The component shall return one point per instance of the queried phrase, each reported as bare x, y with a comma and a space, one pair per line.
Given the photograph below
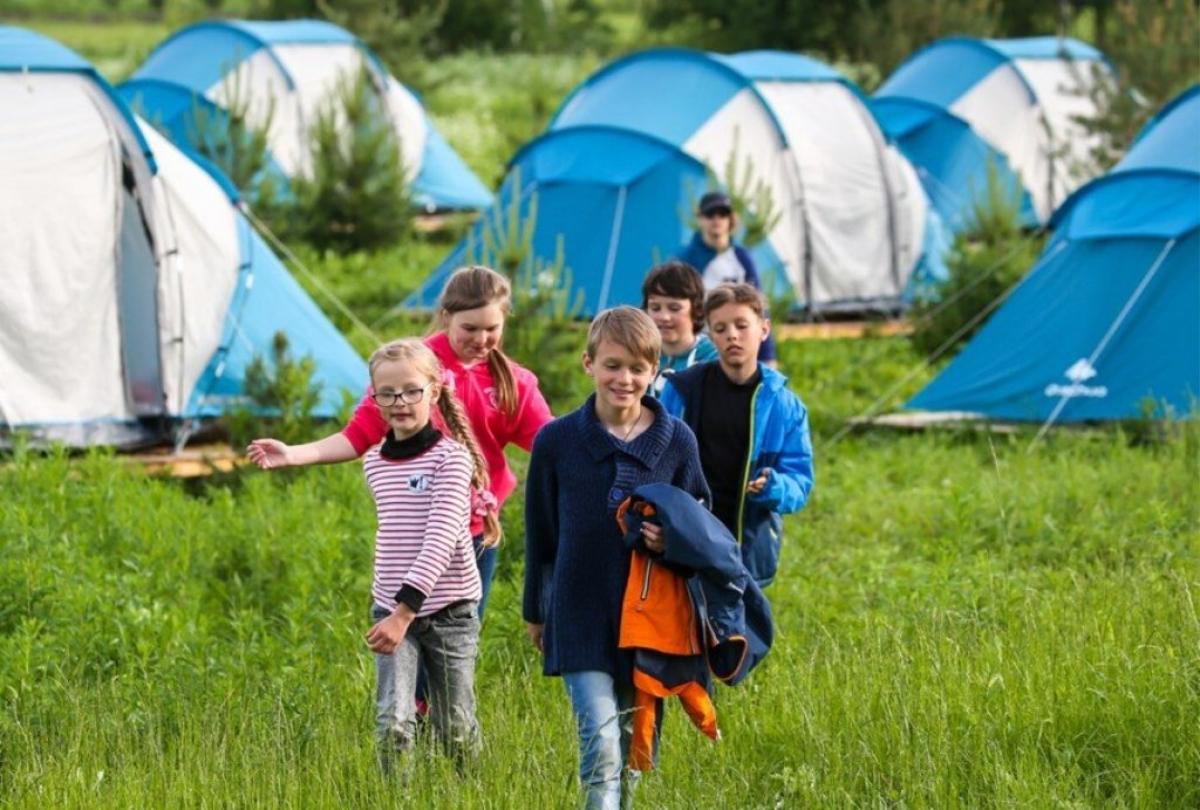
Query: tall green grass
962, 621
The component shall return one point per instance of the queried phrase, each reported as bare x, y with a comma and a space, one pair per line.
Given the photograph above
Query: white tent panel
408, 117
845, 197
910, 209
60, 344
743, 129
317, 70
258, 83
200, 267
1063, 88
1001, 111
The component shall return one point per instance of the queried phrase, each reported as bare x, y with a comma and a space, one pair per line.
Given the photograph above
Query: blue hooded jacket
780, 441
734, 616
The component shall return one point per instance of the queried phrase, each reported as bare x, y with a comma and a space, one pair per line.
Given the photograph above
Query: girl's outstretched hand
269, 454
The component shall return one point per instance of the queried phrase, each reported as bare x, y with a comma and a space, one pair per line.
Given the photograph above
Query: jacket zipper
746, 474
646, 580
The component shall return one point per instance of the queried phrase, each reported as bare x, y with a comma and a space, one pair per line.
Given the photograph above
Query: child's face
673, 317
621, 376
738, 331
411, 395
716, 228
475, 332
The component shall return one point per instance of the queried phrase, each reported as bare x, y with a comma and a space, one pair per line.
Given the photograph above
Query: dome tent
960, 104
287, 70
853, 218
1110, 314
135, 293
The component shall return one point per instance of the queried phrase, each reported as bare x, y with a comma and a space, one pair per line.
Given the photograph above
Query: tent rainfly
1109, 317
961, 104
286, 71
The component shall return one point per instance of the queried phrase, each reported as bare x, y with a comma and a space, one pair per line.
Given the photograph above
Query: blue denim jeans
446, 642
604, 718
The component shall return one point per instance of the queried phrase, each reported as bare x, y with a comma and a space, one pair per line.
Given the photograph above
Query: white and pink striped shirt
423, 506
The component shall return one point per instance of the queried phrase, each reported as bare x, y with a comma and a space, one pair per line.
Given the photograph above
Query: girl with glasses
501, 399
426, 589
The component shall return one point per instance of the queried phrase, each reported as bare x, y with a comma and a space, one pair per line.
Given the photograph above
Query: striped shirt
423, 508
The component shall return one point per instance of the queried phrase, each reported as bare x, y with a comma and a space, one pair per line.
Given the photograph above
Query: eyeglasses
411, 396
716, 212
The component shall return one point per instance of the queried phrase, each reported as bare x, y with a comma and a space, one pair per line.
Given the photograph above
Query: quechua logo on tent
1079, 373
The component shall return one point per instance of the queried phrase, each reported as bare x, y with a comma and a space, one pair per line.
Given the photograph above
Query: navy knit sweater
575, 561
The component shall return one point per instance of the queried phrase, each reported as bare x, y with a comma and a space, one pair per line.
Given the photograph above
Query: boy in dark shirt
755, 447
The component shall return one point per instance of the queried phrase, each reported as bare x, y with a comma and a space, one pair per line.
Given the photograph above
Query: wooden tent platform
924, 420
837, 330
190, 462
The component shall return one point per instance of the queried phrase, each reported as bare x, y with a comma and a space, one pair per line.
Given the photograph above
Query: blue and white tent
620, 169
1110, 314
287, 71
962, 103
135, 294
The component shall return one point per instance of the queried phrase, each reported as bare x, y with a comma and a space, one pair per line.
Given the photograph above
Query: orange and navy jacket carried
692, 610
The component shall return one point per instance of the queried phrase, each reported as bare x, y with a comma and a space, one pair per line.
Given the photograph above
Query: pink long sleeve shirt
493, 429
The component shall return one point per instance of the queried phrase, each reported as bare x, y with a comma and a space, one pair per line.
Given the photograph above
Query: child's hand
652, 536
756, 486
269, 454
387, 633
536, 632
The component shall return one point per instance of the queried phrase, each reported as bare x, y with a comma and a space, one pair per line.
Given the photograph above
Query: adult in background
717, 256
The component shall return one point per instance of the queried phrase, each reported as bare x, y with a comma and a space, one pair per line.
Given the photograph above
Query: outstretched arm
365, 429
271, 454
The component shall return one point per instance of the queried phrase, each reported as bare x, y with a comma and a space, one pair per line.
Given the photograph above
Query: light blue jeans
604, 718
447, 642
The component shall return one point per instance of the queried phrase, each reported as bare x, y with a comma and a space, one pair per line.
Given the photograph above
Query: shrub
356, 197
987, 258
1153, 50
238, 147
280, 390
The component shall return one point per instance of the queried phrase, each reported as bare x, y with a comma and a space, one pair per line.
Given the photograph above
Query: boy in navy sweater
583, 466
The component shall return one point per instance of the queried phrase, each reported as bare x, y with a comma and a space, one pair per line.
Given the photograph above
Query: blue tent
1110, 314
624, 160
961, 104
610, 198
286, 71
136, 293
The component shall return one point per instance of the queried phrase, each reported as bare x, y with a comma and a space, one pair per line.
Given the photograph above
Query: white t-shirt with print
724, 269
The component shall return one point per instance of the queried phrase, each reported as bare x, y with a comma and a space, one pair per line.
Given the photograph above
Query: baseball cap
715, 201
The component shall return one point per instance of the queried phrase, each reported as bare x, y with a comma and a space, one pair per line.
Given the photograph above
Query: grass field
963, 622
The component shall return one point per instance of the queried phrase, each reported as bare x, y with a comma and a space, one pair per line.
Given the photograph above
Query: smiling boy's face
621, 376
673, 317
738, 331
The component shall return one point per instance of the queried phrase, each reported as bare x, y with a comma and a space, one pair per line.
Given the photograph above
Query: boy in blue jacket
583, 466
753, 433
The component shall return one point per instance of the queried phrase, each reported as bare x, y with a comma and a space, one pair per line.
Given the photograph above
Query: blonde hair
628, 327
422, 358
740, 293
478, 286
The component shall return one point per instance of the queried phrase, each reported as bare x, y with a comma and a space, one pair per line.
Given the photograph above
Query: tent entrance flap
137, 306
